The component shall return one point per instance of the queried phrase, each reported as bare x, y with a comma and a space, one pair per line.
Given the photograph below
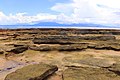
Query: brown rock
18, 50
115, 68
32, 72
1, 51
87, 73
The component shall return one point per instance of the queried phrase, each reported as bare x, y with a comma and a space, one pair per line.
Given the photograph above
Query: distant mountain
49, 24
77, 25
54, 24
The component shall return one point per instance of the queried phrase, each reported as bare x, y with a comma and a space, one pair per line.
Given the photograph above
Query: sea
77, 27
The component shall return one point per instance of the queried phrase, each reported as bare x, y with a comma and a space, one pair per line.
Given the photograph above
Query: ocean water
78, 27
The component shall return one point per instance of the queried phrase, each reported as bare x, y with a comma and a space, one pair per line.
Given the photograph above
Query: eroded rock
73, 47
70, 47
69, 39
18, 50
104, 63
90, 61
115, 68
108, 46
32, 72
1, 51
88, 73
42, 48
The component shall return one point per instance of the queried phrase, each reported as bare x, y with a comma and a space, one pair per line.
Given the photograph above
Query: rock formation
32, 72
69, 54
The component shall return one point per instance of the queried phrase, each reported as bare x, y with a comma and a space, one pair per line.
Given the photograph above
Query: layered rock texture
59, 54
86, 73
32, 72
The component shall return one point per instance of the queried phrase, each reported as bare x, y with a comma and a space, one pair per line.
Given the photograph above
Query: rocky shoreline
74, 54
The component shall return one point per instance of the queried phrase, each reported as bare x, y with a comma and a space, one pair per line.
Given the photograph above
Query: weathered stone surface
1, 51
79, 46
18, 50
24, 38
66, 40
70, 47
61, 31
73, 47
41, 48
96, 62
87, 73
69, 39
102, 38
18, 45
32, 72
55, 77
109, 46
53, 40
105, 46
115, 68
90, 61
4, 38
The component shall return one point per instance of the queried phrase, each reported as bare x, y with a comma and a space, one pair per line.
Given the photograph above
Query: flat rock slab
90, 61
97, 62
32, 72
87, 73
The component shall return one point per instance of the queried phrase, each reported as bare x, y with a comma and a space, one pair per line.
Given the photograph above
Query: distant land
54, 24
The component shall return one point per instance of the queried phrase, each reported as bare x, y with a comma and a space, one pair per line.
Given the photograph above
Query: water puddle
8, 66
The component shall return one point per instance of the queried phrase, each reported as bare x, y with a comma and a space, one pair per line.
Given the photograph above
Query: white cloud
76, 11
94, 11
63, 8
24, 18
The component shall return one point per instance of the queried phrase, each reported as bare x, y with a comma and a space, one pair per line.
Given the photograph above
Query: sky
61, 11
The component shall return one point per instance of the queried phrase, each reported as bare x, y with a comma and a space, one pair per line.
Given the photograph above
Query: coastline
58, 27
67, 48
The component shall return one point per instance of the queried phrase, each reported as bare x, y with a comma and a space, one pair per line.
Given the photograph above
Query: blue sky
61, 11
29, 6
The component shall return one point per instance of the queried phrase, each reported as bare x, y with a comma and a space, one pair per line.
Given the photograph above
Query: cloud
63, 8
24, 18
75, 11
93, 11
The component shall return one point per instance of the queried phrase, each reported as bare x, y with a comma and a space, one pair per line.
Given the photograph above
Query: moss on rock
32, 72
